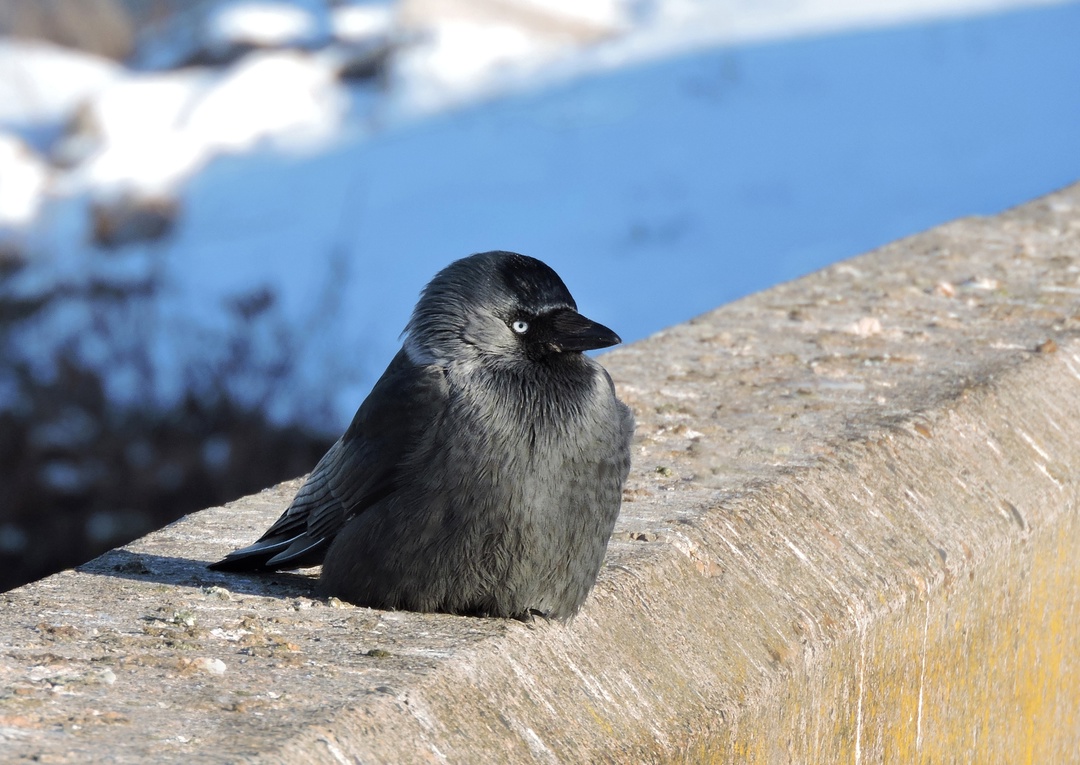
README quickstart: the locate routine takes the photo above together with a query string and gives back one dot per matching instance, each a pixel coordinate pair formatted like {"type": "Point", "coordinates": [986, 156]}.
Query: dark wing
{"type": "Point", "coordinates": [359, 469]}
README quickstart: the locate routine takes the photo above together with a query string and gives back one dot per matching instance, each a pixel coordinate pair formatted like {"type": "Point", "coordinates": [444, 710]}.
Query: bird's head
{"type": "Point", "coordinates": [503, 305]}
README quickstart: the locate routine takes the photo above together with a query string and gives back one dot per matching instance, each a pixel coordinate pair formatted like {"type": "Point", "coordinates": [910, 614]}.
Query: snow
{"type": "Point", "coordinates": [599, 12]}
{"type": "Point", "coordinates": [153, 131]}
{"type": "Point", "coordinates": [701, 152]}
{"type": "Point", "coordinates": [41, 86]}
{"type": "Point", "coordinates": [643, 30]}
{"type": "Point", "coordinates": [23, 176]}
{"type": "Point", "coordinates": [462, 61]}
{"type": "Point", "coordinates": [265, 24]}
{"type": "Point", "coordinates": [362, 22]}
{"type": "Point", "coordinates": [266, 94]}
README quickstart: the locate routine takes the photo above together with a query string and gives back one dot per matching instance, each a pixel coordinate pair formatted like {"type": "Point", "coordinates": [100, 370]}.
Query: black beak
{"type": "Point", "coordinates": [570, 331]}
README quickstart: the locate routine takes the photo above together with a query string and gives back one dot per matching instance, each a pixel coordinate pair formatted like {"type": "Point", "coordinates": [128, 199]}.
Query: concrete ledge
{"type": "Point", "coordinates": [851, 534]}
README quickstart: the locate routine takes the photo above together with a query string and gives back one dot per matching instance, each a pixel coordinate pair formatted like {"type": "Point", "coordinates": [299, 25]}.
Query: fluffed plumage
{"type": "Point", "coordinates": [483, 473]}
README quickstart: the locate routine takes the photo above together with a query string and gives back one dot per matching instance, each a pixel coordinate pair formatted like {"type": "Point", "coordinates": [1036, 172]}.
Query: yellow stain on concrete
{"type": "Point", "coordinates": [957, 678]}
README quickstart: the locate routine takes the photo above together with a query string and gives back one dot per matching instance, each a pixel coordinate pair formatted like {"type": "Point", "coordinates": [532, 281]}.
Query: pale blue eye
{"type": "Point", "coordinates": [519, 326]}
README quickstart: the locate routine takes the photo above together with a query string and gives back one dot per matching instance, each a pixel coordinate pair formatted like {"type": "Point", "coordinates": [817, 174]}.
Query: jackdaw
{"type": "Point", "coordinates": [484, 472]}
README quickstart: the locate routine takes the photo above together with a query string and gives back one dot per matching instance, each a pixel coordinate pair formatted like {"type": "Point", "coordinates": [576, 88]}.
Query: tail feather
{"type": "Point", "coordinates": [255, 557]}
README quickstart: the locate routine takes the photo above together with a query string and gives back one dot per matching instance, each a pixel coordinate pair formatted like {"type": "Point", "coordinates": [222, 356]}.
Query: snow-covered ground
{"type": "Point", "coordinates": [269, 224]}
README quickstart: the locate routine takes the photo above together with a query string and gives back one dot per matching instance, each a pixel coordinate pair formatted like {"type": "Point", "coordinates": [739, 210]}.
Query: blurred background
{"type": "Point", "coordinates": [215, 216]}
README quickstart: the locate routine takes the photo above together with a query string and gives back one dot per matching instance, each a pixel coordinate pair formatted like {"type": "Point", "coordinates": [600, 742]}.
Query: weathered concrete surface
{"type": "Point", "coordinates": [851, 535]}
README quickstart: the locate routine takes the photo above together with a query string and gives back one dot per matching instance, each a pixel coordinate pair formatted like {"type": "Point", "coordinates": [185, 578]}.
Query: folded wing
{"type": "Point", "coordinates": [358, 471]}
